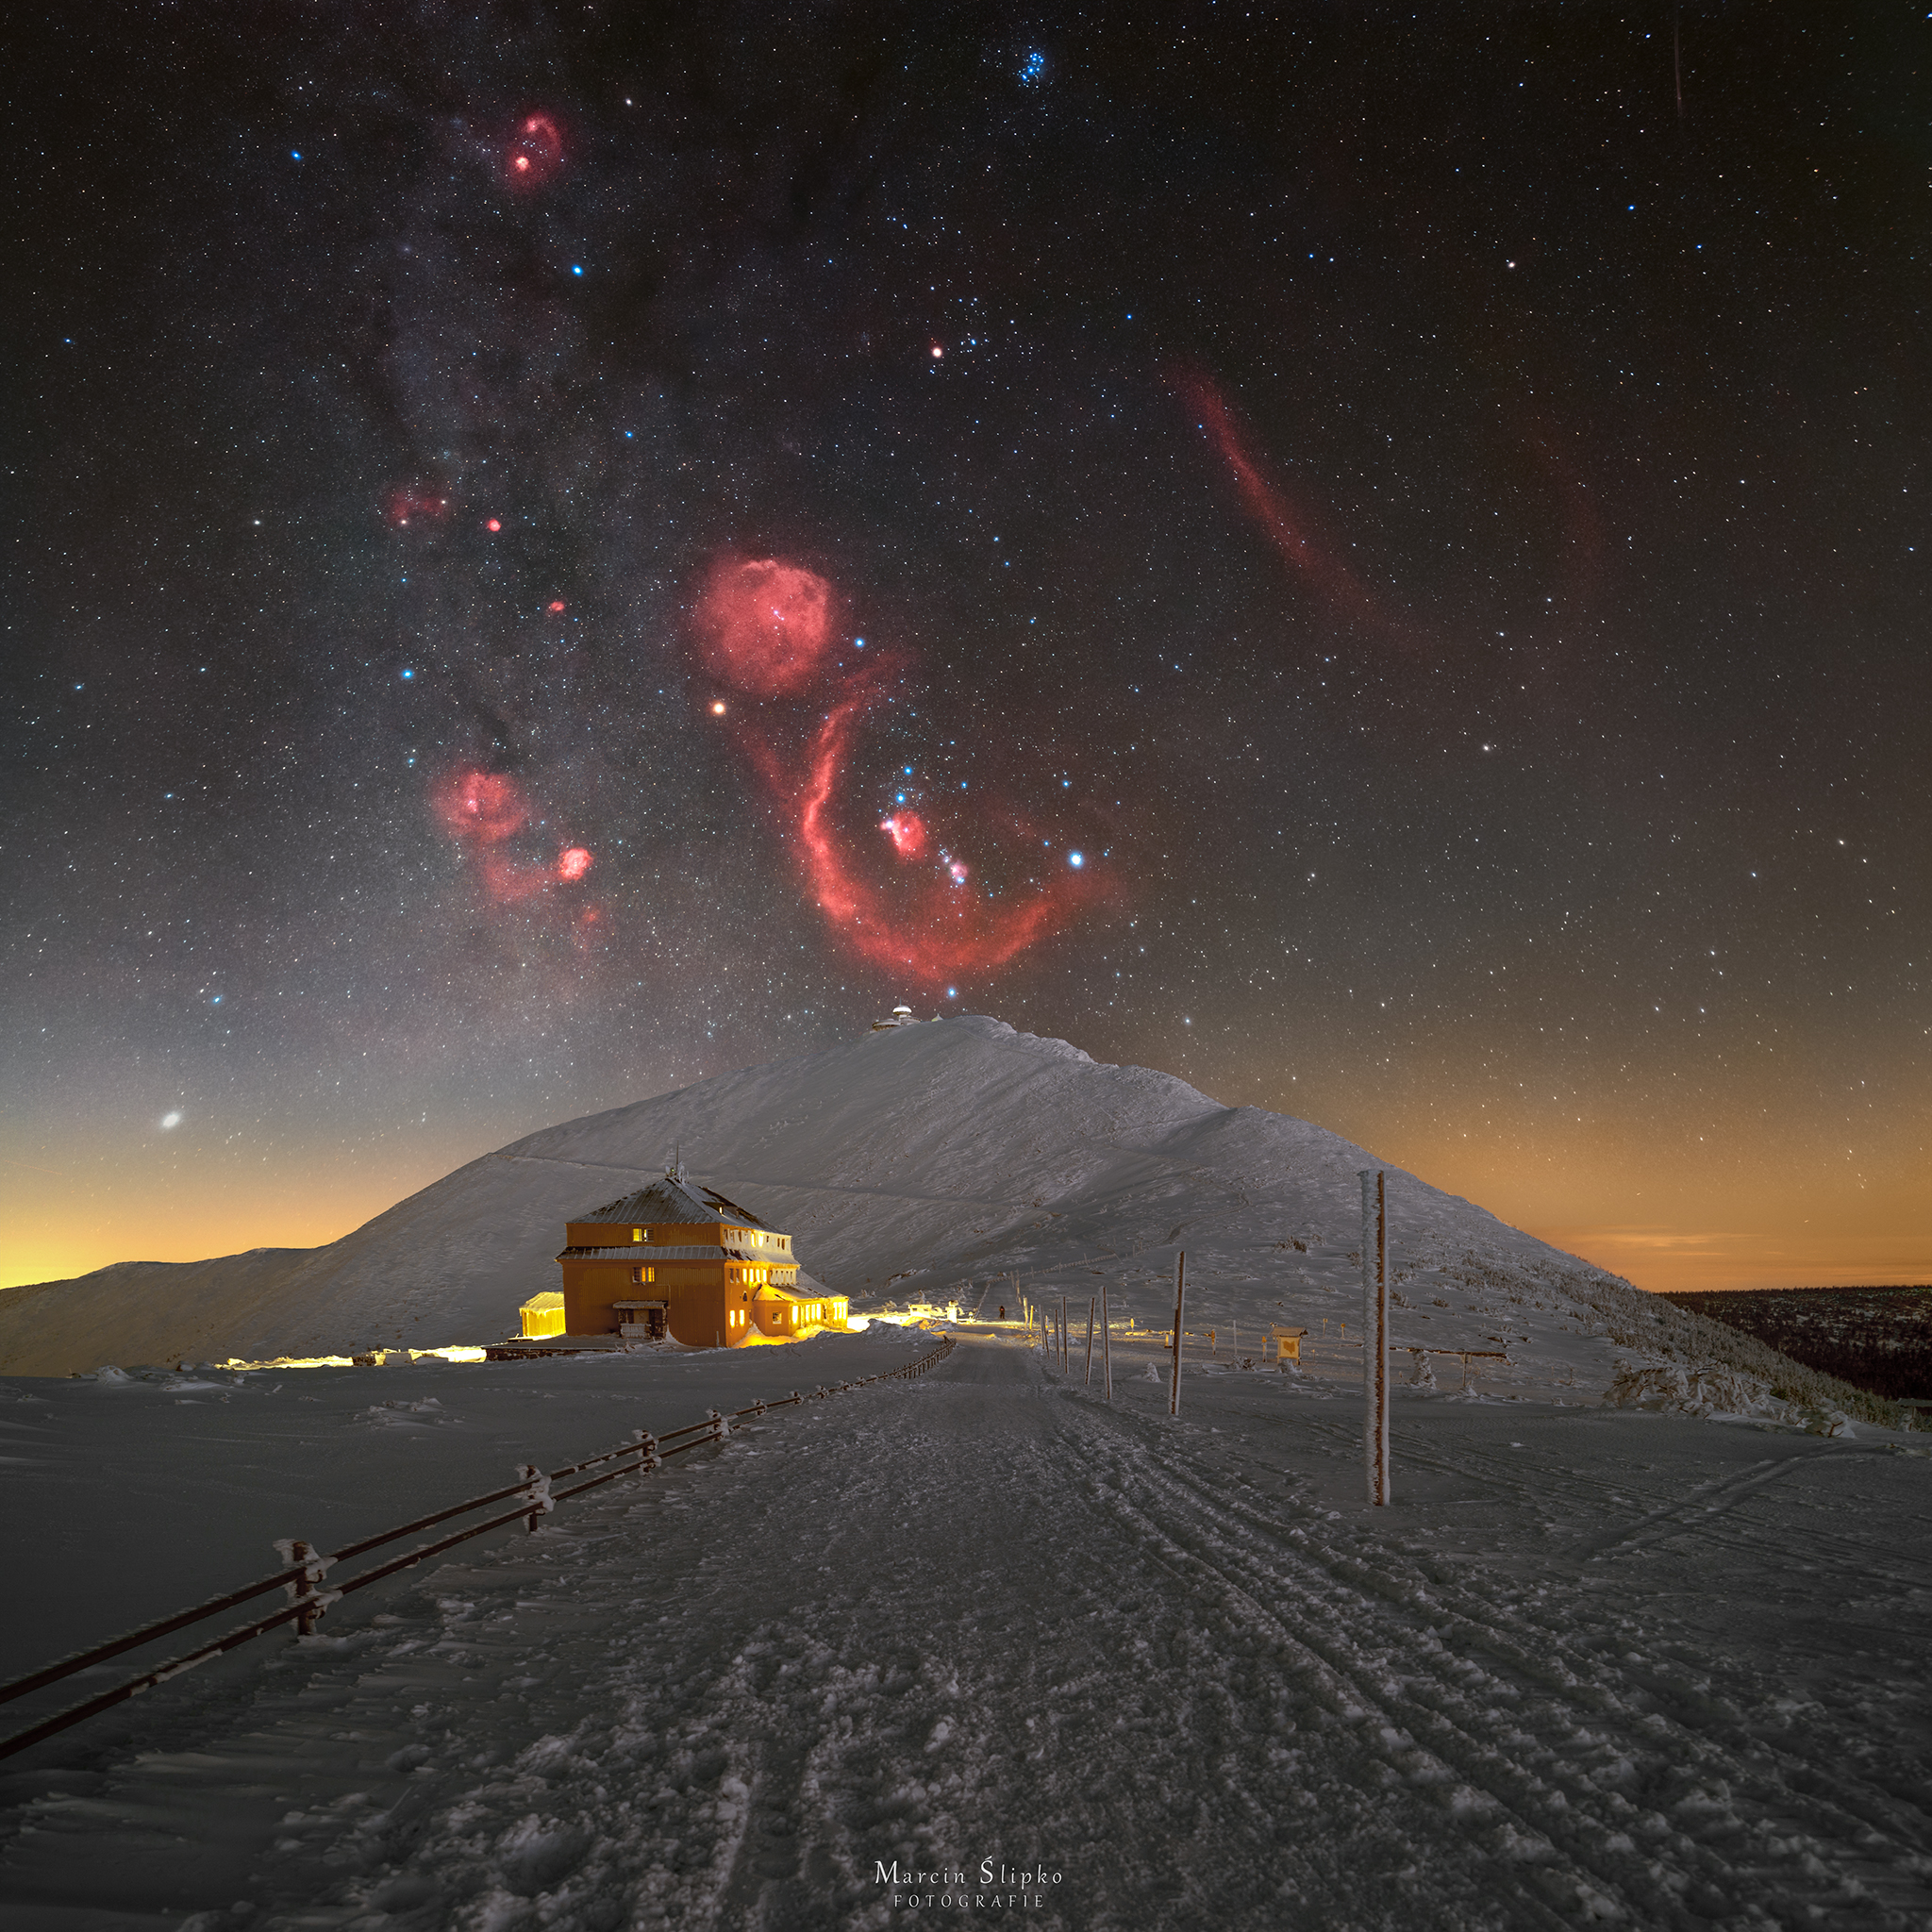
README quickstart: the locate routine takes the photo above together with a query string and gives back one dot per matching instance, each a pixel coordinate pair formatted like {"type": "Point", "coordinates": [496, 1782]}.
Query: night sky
{"type": "Point", "coordinates": [1378, 566]}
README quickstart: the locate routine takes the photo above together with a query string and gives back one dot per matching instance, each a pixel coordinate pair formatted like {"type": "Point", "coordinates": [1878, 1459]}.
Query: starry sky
{"type": "Point", "coordinates": [1375, 563]}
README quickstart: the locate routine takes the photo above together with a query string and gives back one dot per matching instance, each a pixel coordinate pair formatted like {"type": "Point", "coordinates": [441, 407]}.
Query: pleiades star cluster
{"type": "Point", "coordinates": [1372, 559]}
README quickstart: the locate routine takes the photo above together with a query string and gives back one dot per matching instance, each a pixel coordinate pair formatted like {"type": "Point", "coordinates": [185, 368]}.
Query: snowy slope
{"type": "Point", "coordinates": [1592, 1667]}
{"type": "Point", "coordinates": [905, 1162]}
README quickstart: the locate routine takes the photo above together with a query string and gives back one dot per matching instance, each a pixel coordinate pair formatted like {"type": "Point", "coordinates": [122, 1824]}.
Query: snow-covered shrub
{"type": "Point", "coordinates": [1655, 1329]}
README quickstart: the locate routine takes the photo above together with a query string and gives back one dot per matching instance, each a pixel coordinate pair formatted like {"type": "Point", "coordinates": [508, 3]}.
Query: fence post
{"type": "Point", "coordinates": [720, 1427]}
{"type": "Point", "coordinates": [1089, 1382]}
{"type": "Point", "coordinates": [304, 1589]}
{"type": "Point", "coordinates": [304, 1592]}
{"type": "Point", "coordinates": [647, 1453]}
{"type": "Point", "coordinates": [537, 1487]}
{"type": "Point", "coordinates": [1105, 1344]}
{"type": "Point", "coordinates": [1376, 1332]}
{"type": "Point", "coordinates": [1180, 1298]}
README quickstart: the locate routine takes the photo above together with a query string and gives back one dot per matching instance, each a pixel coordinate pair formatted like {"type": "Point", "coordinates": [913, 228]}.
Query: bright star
{"type": "Point", "coordinates": [171, 1120]}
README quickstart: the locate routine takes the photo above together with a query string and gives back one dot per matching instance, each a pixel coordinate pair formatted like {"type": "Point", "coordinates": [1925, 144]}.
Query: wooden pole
{"type": "Point", "coordinates": [1065, 1366]}
{"type": "Point", "coordinates": [1180, 1299]}
{"type": "Point", "coordinates": [1376, 1332]}
{"type": "Point", "coordinates": [1106, 1346]}
{"type": "Point", "coordinates": [304, 1624]}
{"type": "Point", "coordinates": [1089, 1382]}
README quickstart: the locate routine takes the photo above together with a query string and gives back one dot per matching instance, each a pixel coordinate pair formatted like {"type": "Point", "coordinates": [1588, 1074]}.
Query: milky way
{"type": "Point", "coordinates": [1368, 559]}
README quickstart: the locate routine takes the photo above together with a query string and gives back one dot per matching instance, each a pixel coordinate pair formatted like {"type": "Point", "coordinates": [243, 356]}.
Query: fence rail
{"type": "Point", "coordinates": [304, 1575]}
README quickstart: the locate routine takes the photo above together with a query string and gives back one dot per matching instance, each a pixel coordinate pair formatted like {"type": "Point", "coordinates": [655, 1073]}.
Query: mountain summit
{"type": "Point", "coordinates": [917, 1158]}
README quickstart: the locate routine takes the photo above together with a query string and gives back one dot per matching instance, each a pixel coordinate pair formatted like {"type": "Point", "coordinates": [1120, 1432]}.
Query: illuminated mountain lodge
{"type": "Point", "coordinates": [675, 1258]}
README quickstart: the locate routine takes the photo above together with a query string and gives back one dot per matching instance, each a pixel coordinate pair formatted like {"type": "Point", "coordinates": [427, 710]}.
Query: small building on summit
{"type": "Point", "coordinates": [680, 1260]}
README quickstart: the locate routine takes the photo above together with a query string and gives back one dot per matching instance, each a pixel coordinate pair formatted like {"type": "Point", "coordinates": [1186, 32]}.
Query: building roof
{"type": "Point", "coordinates": [673, 1200]}
{"type": "Point", "coordinates": [653, 1251]}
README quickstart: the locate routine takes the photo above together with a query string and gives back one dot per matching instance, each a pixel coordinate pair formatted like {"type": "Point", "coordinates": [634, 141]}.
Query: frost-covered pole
{"type": "Point", "coordinates": [1181, 1298]}
{"type": "Point", "coordinates": [1376, 1331]}
{"type": "Point", "coordinates": [1106, 1346]}
{"type": "Point", "coordinates": [1089, 1383]}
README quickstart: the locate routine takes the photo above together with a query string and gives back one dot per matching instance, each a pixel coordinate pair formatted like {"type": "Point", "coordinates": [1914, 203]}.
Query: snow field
{"type": "Point", "coordinates": [1592, 1666]}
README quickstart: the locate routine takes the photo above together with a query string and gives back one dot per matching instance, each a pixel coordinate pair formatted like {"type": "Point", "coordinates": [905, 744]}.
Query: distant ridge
{"type": "Point", "coordinates": [1877, 1339]}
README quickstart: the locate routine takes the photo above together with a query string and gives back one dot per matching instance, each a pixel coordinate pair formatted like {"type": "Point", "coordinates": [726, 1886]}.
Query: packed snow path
{"type": "Point", "coordinates": [1613, 1668]}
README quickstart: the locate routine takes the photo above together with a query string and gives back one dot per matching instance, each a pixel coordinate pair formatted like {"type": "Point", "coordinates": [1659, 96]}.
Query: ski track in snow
{"type": "Point", "coordinates": [984, 1616]}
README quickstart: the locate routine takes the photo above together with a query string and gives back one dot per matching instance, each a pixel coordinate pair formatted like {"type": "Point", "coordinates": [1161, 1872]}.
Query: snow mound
{"type": "Point", "coordinates": [425, 1414]}
{"type": "Point", "coordinates": [1717, 1396]}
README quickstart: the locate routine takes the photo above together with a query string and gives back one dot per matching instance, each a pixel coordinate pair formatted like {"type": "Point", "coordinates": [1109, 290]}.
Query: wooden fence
{"type": "Point", "coordinates": [303, 1577]}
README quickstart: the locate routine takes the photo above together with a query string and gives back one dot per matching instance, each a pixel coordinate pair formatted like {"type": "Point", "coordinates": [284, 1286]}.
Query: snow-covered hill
{"type": "Point", "coordinates": [908, 1161]}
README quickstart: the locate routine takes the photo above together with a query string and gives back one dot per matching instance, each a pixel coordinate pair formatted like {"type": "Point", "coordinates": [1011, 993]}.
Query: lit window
{"type": "Point", "coordinates": [636, 1234]}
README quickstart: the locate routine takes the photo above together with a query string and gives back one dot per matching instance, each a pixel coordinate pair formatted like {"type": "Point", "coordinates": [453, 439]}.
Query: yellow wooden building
{"type": "Point", "coordinates": [680, 1260]}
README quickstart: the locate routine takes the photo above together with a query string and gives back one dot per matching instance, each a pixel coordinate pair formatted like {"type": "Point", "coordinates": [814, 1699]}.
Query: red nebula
{"type": "Point", "coordinates": [1291, 527]}
{"type": "Point", "coordinates": [481, 806]}
{"type": "Point", "coordinates": [907, 832]}
{"type": "Point", "coordinates": [508, 880]}
{"type": "Point", "coordinates": [536, 151]}
{"type": "Point", "coordinates": [938, 932]}
{"type": "Point", "coordinates": [764, 626]}
{"type": "Point", "coordinates": [573, 864]}
{"type": "Point", "coordinates": [492, 525]}
{"type": "Point", "coordinates": [556, 605]}
{"type": "Point", "coordinates": [415, 503]}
